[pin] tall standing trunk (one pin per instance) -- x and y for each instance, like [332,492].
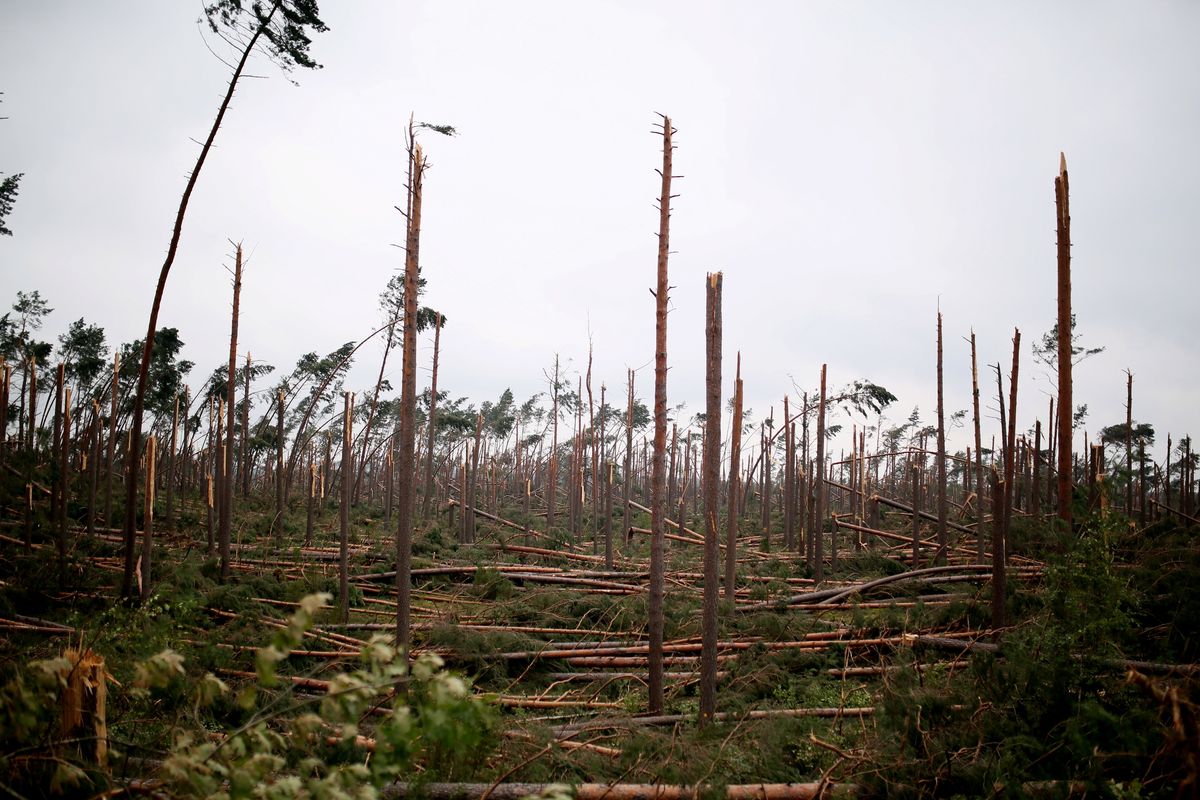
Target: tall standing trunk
[139,394]
[279,476]
[658,502]
[470,486]
[942,510]
[552,473]
[595,448]
[1010,447]
[344,508]
[210,460]
[111,444]
[627,470]
[1065,403]
[998,567]
[1036,501]
[226,521]
[979,532]
[93,467]
[789,477]
[408,401]
[57,471]
[148,519]
[427,498]
[244,454]
[1129,444]
[5,381]
[819,488]
[711,471]
[173,444]
[735,455]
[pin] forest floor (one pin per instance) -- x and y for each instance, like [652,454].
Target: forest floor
[897,689]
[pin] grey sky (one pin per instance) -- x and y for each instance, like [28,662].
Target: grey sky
[847,165]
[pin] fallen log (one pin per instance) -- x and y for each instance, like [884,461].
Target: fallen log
[619,791]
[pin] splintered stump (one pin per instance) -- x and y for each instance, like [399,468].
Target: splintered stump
[84,724]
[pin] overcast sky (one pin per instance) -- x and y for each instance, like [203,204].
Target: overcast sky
[847,166]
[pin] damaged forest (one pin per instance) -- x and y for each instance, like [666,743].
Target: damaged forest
[260,583]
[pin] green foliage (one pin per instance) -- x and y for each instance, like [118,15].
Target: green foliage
[290,746]
[8,194]
[284,25]
[1047,707]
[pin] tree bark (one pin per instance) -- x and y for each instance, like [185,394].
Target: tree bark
[658,503]
[735,455]
[819,488]
[711,471]
[1065,402]
[348,481]
[148,520]
[408,400]
[942,538]
[427,498]
[227,478]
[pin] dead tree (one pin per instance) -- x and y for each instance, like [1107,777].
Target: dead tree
[147,521]
[979,492]
[344,506]
[111,444]
[427,499]
[735,455]
[408,399]
[172,446]
[1129,444]
[942,539]
[1063,214]
[711,471]
[226,519]
[627,481]
[279,476]
[819,488]
[658,501]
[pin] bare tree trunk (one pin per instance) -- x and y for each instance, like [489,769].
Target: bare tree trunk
[711,471]
[111,444]
[658,504]
[226,520]
[789,477]
[1010,448]
[279,474]
[213,471]
[427,499]
[344,508]
[1065,403]
[979,533]
[627,479]
[469,489]
[5,379]
[244,454]
[552,477]
[93,465]
[408,401]
[174,443]
[1129,445]
[998,567]
[819,487]
[735,455]
[139,395]
[1037,468]
[57,472]
[942,538]
[148,519]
